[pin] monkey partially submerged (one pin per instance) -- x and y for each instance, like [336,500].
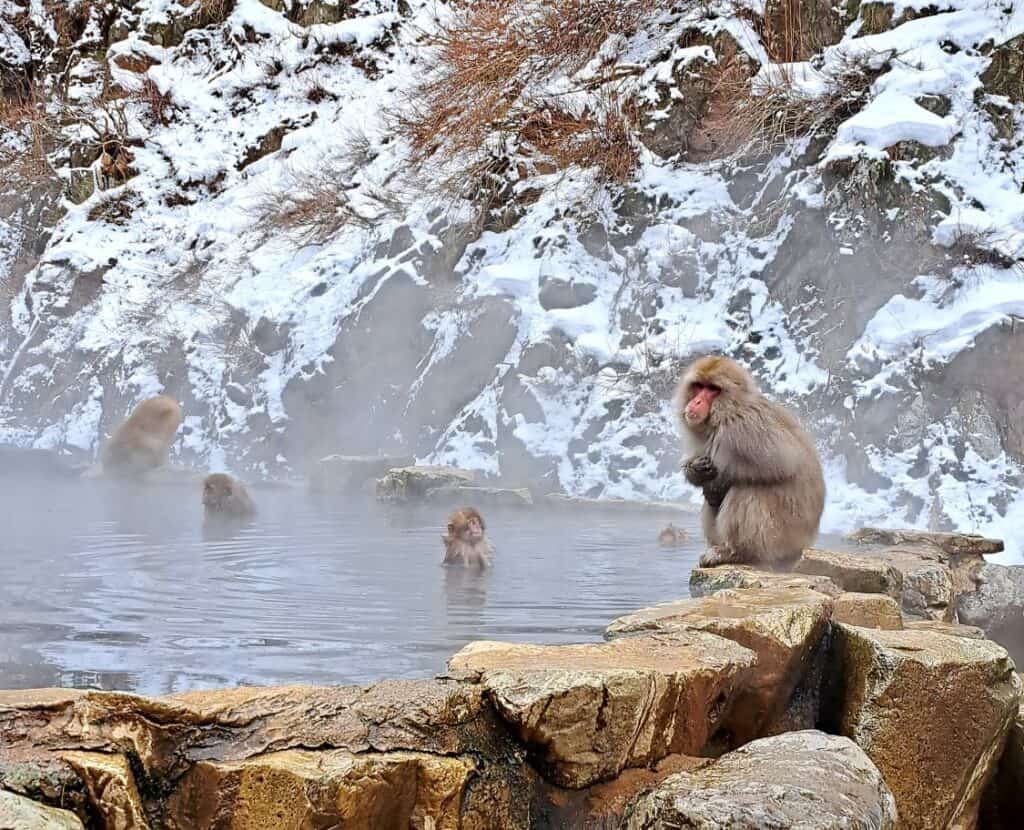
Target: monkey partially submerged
[764,491]
[672,536]
[464,542]
[144,440]
[226,497]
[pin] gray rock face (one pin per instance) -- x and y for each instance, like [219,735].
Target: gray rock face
[414,483]
[995,603]
[350,472]
[559,293]
[802,780]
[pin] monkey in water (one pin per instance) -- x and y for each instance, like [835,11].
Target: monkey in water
[226,497]
[764,491]
[143,441]
[464,542]
[672,536]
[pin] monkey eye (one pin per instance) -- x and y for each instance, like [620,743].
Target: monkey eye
[712,388]
[696,385]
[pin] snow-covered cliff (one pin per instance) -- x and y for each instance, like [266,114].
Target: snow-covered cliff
[221,199]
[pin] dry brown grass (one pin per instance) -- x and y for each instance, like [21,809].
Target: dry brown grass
[741,120]
[490,53]
[314,205]
[159,105]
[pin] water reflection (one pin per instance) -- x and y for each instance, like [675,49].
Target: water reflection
[116,586]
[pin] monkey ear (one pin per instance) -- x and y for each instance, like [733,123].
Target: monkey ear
[451,528]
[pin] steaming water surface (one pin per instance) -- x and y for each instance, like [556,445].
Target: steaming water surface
[122,587]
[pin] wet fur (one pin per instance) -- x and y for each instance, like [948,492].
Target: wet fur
[465,552]
[766,466]
[143,441]
[224,495]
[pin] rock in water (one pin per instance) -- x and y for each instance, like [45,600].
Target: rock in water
[18,813]
[798,781]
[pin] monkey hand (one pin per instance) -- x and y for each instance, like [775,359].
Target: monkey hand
[700,471]
[715,555]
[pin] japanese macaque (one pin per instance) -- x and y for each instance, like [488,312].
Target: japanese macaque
[226,496]
[763,487]
[464,542]
[143,441]
[672,536]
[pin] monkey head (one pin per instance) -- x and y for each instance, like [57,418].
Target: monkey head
[217,490]
[466,524]
[704,383]
[158,416]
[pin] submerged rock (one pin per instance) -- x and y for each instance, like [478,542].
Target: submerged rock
[931,711]
[782,626]
[590,711]
[802,780]
[406,484]
[480,496]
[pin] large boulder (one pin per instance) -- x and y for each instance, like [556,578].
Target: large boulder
[927,582]
[931,711]
[705,581]
[42,732]
[300,788]
[782,626]
[20,813]
[852,572]
[952,544]
[799,781]
[590,711]
[867,610]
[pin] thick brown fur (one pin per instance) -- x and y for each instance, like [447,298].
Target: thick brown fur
[224,495]
[465,540]
[762,479]
[672,536]
[143,441]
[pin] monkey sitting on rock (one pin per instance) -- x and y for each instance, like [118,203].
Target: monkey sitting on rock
[465,542]
[764,491]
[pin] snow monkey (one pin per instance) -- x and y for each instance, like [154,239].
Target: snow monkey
[672,536]
[763,486]
[464,542]
[143,441]
[224,495]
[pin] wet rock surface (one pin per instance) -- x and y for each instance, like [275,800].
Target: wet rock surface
[931,711]
[782,626]
[867,610]
[800,780]
[590,711]
[407,484]
[850,572]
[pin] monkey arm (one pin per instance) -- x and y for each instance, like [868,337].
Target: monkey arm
[715,493]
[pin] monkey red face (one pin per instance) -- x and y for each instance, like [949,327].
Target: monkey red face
[473,532]
[698,408]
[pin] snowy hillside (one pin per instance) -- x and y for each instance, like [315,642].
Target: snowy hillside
[261,207]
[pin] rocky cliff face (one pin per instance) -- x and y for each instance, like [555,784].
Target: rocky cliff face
[224,201]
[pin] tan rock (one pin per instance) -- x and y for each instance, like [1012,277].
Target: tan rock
[971,632]
[405,484]
[20,813]
[782,626]
[931,711]
[927,582]
[852,572]
[298,789]
[799,781]
[867,610]
[111,787]
[953,544]
[590,711]
[704,581]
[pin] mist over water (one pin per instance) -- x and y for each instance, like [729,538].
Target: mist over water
[123,587]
